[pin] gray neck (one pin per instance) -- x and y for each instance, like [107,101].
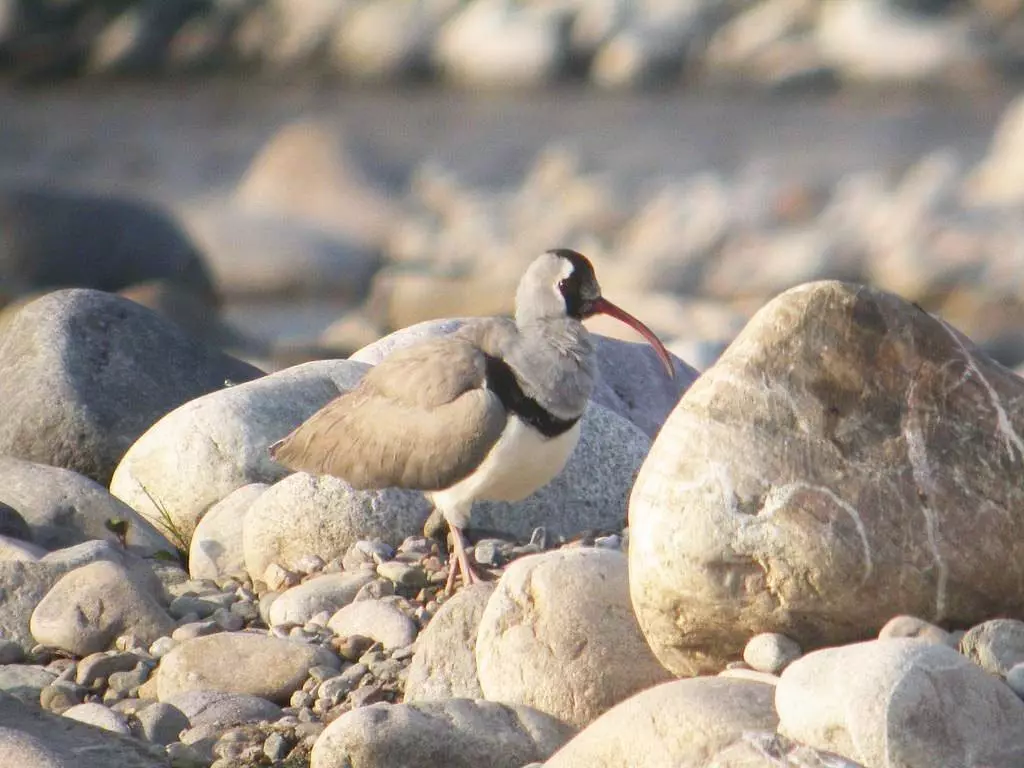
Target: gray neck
[554,361]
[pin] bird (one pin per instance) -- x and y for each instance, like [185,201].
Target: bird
[490,412]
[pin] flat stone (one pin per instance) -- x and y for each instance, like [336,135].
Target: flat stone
[906,704]
[326,592]
[215,708]
[202,451]
[239,662]
[559,634]
[91,606]
[71,363]
[457,733]
[216,548]
[25,681]
[99,716]
[840,474]
[381,621]
[672,725]
[444,664]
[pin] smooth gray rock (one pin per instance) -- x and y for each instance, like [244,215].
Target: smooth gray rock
[456,733]
[304,515]
[672,725]
[102,665]
[376,619]
[770,652]
[64,508]
[919,629]
[326,592]
[217,708]
[84,373]
[13,525]
[18,549]
[910,704]
[91,606]
[31,737]
[239,662]
[161,723]
[444,665]
[762,749]
[25,681]
[388,40]
[98,716]
[559,634]
[199,453]
[996,646]
[828,471]
[216,548]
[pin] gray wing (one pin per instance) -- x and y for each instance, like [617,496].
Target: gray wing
[419,419]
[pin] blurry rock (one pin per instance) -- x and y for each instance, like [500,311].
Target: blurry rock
[304,515]
[909,703]
[996,645]
[64,508]
[918,629]
[456,733]
[206,449]
[998,180]
[16,549]
[402,298]
[216,708]
[380,621]
[444,665]
[673,725]
[350,333]
[261,252]
[559,634]
[501,44]
[764,749]
[752,32]
[84,373]
[12,525]
[89,607]
[32,737]
[238,662]
[191,312]
[99,716]
[876,41]
[24,682]
[54,238]
[301,29]
[216,548]
[136,40]
[326,592]
[813,467]
[652,50]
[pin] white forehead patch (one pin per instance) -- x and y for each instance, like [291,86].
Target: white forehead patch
[565,271]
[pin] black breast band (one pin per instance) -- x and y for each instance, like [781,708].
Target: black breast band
[502,381]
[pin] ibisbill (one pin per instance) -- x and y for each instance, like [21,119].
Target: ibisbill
[488,413]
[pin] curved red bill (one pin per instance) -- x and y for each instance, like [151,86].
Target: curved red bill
[602,306]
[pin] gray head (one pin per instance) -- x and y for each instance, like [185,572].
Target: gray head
[561,285]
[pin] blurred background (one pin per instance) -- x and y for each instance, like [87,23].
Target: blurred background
[292,179]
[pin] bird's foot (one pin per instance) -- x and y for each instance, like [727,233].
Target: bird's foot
[460,564]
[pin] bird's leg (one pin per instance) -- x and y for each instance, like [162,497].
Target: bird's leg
[469,576]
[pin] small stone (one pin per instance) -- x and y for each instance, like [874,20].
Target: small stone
[276,747]
[61,695]
[279,578]
[403,574]
[919,629]
[373,618]
[996,646]
[102,665]
[353,647]
[1015,679]
[492,552]
[126,682]
[194,629]
[301,699]
[99,716]
[161,647]
[375,590]
[333,691]
[771,652]
[368,694]
[228,620]
[418,546]
[10,652]
[161,723]
[190,604]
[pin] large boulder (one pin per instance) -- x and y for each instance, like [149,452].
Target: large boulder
[848,459]
[83,373]
[204,450]
[559,634]
[901,703]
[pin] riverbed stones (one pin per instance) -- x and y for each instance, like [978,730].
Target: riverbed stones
[455,733]
[239,662]
[202,451]
[849,458]
[72,361]
[559,634]
[770,652]
[676,724]
[378,620]
[996,645]
[91,606]
[325,592]
[216,548]
[910,703]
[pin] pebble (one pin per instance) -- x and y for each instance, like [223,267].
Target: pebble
[376,619]
[771,652]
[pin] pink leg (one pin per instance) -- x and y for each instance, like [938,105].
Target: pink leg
[469,576]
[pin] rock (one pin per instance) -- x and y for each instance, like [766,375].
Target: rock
[326,592]
[10,652]
[873,40]
[652,50]
[910,704]
[102,665]
[58,238]
[300,30]
[772,750]
[100,717]
[64,508]
[206,708]
[161,723]
[84,373]
[380,621]
[216,548]
[89,607]
[389,40]
[997,180]
[771,652]
[919,629]
[206,449]
[15,549]
[456,733]
[673,725]
[500,44]
[444,665]
[406,337]
[31,737]
[12,524]
[273,668]
[996,646]
[559,634]
[304,515]
[837,467]
[25,682]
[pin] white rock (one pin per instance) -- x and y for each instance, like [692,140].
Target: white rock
[376,619]
[326,592]
[901,702]
[559,634]
[216,547]
[202,451]
[99,716]
[770,652]
[998,180]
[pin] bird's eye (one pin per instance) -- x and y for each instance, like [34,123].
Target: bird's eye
[563,285]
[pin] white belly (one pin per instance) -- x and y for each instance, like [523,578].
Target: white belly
[522,461]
